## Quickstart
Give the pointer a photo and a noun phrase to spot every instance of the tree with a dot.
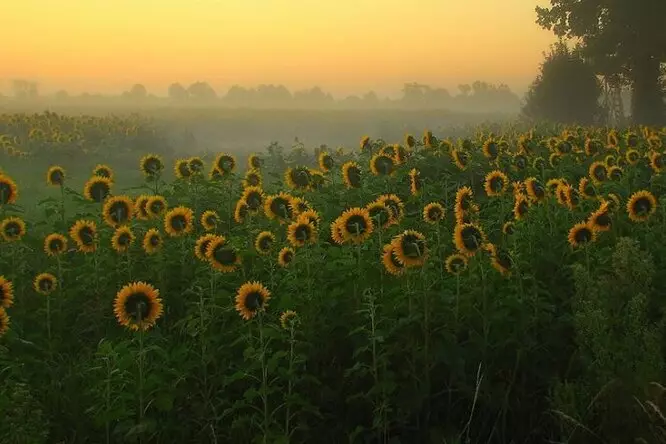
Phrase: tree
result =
(620, 38)
(201, 91)
(566, 89)
(178, 92)
(25, 89)
(137, 91)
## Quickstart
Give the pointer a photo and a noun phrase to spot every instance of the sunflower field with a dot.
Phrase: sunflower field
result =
(499, 288)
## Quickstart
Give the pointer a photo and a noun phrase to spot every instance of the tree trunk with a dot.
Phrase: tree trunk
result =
(647, 103)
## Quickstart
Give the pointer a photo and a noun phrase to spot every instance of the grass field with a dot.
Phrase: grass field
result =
(500, 287)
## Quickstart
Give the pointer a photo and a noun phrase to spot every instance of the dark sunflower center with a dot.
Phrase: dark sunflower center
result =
(253, 200)
(583, 235)
(632, 140)
(178, 222)
(124, 239)
(203, 247)
(253, 301)
(45, 284)
(574, 199)
(508, 228)
(287, 256)
(327, 161)
(457, 265)
(242, 210)
(380, 214)
(265, 243)
(57, 177)
(154, 240)
(210, 220)
(354, 176)
(281, 207)
(520, 161)
(256, 162)
(226, 164)
(659, 161)
(137, 306)
(462, 157)
(196, 165)
(471, 238)
(99, 191)
(103, 172)
(589, 190)
(539, 163)
(156, 207)
(412, 245)
(300, 177)
(152, 165)
(303, 232)
(356, 224)
(12, 229)
(253, 179)
(537, 189)
(86, 235)
(603, 220)
(225, 256)
(496, 183)
(465, 202)
(492, 149)
(616, 174)
(184, 169)
(564, 147)
(434, 213)
(522, 207)
(642, 206)
(5, 192)
(384, 165)
(119, 212)
(503, 259)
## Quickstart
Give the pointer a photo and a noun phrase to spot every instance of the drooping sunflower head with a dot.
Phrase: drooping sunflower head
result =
(612, 139)
(286, 256)
(415, 182)
(156, 206)
(399, 153)
(225, 163)
(410, 141)
(520, 207)
(433, 213)
(356, 225)
(252, 179)
(586, 188)
(301, 232)
(151, 165)
(501, 260)
(253, 197)
(468, 238)
(103, 171)
(97, 188)
(299, 205)
(6, 293)
(254, 162)
(520, 161)
(464, 199)
(382, 165)
(298, 178)
(55, 176)
(351, 174)
(598, 172)
(318, 179)
(84, 234)
(12, 229)
(365, 143)
(553, 184)
(508, 228)
(456, 263)
(563, 147)
(631, 139)
(140, 211)
(657, 162)
(615, 173)
(241, 211)
(222, 256)
(601, 220)
(496, 183)
(311, 216)
(326, 161)
(613, 201)
(118, 210)
(554, 159)
(279, 207)
(264, 242)
(4, 322)
(460, 158)
(288, 320)
(391, 262)
(251, 298)
(45, 283)
(610, 160)
(152, 241)
(8, 190)
(196, 165)
(593, 147)
(581, 234)
(641, 205)
(491, 149)
(337, 231)
(182, 169)
(410, 248)
(138, 306)
(535, 190)
(178, 221)
(395, 204)
(632, 157)
(122, 239)
(655, 142)
(210, 220)
(201, 246)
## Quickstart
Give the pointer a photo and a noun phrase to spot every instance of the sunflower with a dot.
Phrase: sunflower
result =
(491, 149)
(156, 206)
(563, 147)
(468, 238)
(600, 220)
(641, 205)
(12, 229)
(520, 207)
(103, 171)
(496, 183)
(615, 173)
(195, 164)
(655, 142)
(508, 228)
(254, 162)
(97, 188)
(356, 225)
(415, 182)
(554, 159)
(152, 241)
(298, 178)
(460, 158)
(410, 248)
(285, 256)
(4, 322)
(318, 179)
(151, 165)
(45, 283)
(520, 161)
(391, 262)
(138, 306)
(241, 211)
(611, 139)
(433, 212)
(613, 201)
(209, 220)
(84, 234)
(632, 157)
(337, 232)
(264, 242)
(225, 163)
(581, 233)
(310, 216)
(382, 165)
(140, 211)
(410, 141)
(500, 259)
(288, 319)
(252, 179)
(535, 190)
(610, 161)
(118, 210)
(325, 161)
(253, 197)
(178, 221)
(8, 190)
(593, 147)
(122, 239)
(400, 154)
(657, 162)
(55, 176)
(351, 174)
(553, 184)
(301, 232)
(181, 169)
(464, 201)
(586, 188)
(395, 204)
(6, 293)
(279, 207)
(222, 257)
(251, 298)
(631, 139)
(456, 263)
(299, 205)
(568, 196)
(201, 246)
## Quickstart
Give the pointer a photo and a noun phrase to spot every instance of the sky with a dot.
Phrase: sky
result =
(344, 46)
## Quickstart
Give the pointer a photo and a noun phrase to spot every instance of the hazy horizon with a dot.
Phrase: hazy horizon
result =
(347, 47)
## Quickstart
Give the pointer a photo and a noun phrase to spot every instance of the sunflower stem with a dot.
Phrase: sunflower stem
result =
(264, 377)
(62, 205)
(140, 359)
(290, 383)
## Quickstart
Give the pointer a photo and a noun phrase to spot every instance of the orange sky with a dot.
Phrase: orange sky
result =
(344, 46)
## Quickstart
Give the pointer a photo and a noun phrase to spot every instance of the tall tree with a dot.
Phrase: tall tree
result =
(619, 37)
(178, 92)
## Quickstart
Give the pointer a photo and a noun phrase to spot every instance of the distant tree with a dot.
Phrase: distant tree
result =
(178, 92)
(239, 96)
(61, 95)
(24, 89)
(136, 92)
(273, 95)
(201, 91)
(313, 97)
(465, 89)
(566, 89)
